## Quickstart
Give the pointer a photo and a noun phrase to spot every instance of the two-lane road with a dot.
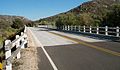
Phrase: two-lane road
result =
(60, 53)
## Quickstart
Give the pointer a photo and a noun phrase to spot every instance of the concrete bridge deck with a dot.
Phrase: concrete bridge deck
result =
(65, 51)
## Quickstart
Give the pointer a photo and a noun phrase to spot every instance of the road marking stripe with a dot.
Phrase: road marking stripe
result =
(49, 58)
(89, 45)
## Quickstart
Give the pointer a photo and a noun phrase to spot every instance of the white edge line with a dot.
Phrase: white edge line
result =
(49, 58)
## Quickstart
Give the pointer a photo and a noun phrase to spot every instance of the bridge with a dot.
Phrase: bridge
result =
(72, 48)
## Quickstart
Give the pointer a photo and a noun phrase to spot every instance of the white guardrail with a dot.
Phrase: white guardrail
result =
(108, 31)
(19, 42)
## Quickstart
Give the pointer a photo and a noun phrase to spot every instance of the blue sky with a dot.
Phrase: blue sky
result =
(36, 9)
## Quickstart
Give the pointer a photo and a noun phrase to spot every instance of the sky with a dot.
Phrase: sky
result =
(36, 9)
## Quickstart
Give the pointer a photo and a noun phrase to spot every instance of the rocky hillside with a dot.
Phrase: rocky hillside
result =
(96, 7)
(95, 12)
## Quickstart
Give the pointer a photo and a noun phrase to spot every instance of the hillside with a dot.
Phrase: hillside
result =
(9, 19)
(95, 12)
(95, 7)
(9, 25)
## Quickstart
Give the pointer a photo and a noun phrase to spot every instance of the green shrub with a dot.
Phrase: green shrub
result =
(17, 24)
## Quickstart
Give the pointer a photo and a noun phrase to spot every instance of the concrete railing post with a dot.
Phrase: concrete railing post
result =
(90, 29)
(26, 40)
(84, 28)
(7, 55)
(25, 30)
(117, 31)
(68, 27)
(63, 27)
(18, 45)
(79, 28)
(97, 29)
(106, 30)
(75, 28)
(71, 28)
(22, 40)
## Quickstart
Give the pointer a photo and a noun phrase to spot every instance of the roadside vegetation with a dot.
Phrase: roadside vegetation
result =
(9, 27)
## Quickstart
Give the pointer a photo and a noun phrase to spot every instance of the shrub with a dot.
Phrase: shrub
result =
(17, 24)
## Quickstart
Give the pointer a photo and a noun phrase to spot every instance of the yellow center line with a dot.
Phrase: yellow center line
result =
(89, 45)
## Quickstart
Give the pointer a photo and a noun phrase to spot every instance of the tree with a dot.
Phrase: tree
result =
(113, 17)
(59, 23)
(86, 19)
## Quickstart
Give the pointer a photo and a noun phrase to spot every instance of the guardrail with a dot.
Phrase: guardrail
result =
(18, 43)
(108, 31)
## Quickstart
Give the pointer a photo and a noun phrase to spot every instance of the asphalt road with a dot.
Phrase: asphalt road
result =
(60, 51)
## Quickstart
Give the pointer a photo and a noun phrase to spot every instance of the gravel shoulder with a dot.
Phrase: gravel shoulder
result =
(28, 60)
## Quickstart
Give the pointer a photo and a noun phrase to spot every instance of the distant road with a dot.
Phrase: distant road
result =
(64, 51)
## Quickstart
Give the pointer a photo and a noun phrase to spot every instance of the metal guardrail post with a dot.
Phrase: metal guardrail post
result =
(117, 31)
(97, 29)
(106, 30)
(90, 29)
(7, 55)
(18, 45)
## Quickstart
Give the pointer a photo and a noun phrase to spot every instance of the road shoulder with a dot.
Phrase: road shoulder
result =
(28, 60)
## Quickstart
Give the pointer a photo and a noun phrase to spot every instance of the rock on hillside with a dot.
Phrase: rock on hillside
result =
(95, 6)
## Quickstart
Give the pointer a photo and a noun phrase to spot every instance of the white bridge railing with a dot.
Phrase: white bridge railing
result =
(18, 43)
(108, 31)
